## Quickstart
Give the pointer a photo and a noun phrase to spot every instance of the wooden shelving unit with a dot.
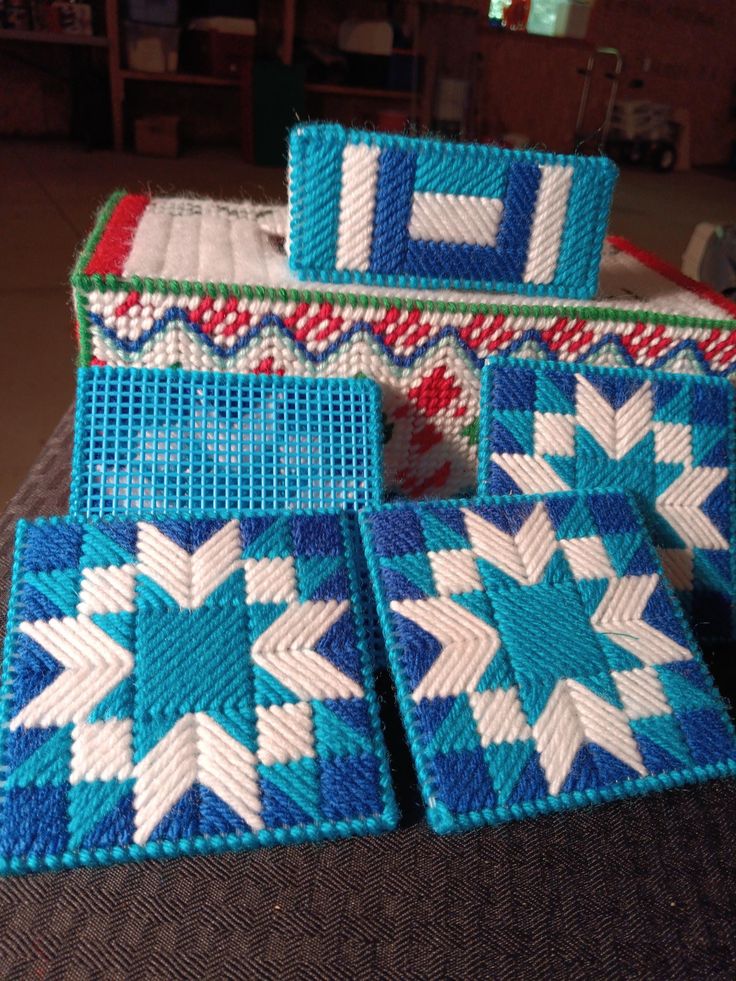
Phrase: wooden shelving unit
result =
(348, 90)
(177, 78)
(417, 102)
(107, 41)
(121, 76)
(52, 37)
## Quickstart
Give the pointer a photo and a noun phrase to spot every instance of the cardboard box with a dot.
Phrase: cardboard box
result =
(157, 136)
(220, 46)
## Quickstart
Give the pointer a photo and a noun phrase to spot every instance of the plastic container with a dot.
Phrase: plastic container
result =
(163, 12)
(152, 49)
(221, 46)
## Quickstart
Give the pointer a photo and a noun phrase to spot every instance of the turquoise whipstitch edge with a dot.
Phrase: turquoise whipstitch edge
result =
(200, 844)
(580, 368)
(440, 818)
(583, 232)
(83, 282)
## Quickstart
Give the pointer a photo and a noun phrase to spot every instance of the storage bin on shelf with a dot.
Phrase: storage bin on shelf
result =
(219, 46)
(152, 49)
(157, 136)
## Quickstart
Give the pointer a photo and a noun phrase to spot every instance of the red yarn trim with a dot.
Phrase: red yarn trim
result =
(672, 273)
(113, 247)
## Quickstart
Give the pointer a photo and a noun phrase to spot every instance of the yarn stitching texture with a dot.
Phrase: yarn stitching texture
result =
(556, 683)
(119, 743)
(157, 440)
(404, 353)
(546, 215)
(398, 343)
(157, 323)
(667, 438)
(628, 271)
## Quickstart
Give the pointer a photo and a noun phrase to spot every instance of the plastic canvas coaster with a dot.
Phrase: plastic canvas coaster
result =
(667, 438)
(396, 211)
(173, 440)
(541, 660)
(182, 686)
(199, 284)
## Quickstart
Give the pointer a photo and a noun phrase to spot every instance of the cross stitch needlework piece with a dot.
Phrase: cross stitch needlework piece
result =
(400, 211)
(172, 440)
(201, 285)
(177, 686)
(540, 657)
(667, 438)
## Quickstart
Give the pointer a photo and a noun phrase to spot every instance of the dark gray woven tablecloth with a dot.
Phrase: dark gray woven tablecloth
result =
(643, 889)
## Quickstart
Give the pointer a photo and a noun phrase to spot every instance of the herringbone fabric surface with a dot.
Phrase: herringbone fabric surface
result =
(639, 889)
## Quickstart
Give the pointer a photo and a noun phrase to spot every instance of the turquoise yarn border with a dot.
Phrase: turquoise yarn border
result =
(387, 820)
(440, 818)
(584, 228)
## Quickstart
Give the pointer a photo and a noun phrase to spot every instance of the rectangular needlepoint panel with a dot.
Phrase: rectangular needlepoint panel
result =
(397, 211)
(178, 686)
(541, 659)
(667, 438)
(204, 285)
(172, 440)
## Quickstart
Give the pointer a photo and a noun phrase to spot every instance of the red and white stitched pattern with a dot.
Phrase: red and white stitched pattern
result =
(426, 360)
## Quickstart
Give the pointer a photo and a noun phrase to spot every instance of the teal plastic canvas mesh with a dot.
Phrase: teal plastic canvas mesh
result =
(541, 659)
(172, 440)
(183, 685)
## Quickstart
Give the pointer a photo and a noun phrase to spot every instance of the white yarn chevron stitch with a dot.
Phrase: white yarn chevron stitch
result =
(189, 579)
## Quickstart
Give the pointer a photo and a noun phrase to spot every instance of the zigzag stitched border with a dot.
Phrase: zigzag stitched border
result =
(428, 368)
(318, 336)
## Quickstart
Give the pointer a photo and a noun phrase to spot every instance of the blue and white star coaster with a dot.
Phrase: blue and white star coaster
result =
(667, 438)
(183, 686)
(540, 657)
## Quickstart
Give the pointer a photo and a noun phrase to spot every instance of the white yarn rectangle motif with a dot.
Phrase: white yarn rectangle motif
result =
(458, 218)
(357, 206)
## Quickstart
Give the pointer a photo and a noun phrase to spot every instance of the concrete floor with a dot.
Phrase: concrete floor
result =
(50, 192)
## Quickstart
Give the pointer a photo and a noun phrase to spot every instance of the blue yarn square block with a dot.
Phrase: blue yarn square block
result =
(400, 211)
(180, 687)
(152, 440)
(669, 439)
(541, 660)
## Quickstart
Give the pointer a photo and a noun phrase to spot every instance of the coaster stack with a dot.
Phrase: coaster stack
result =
(190, 655)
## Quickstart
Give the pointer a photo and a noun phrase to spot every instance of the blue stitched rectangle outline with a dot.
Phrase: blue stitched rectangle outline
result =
(315, 175)
(685, 381)
(214, 844)
(439, 817)
(337, 463)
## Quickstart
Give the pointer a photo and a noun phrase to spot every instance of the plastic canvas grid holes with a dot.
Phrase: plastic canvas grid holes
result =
(667, 438)
(541, 660)
(392, 210)
(172, 440)
(120, 742)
